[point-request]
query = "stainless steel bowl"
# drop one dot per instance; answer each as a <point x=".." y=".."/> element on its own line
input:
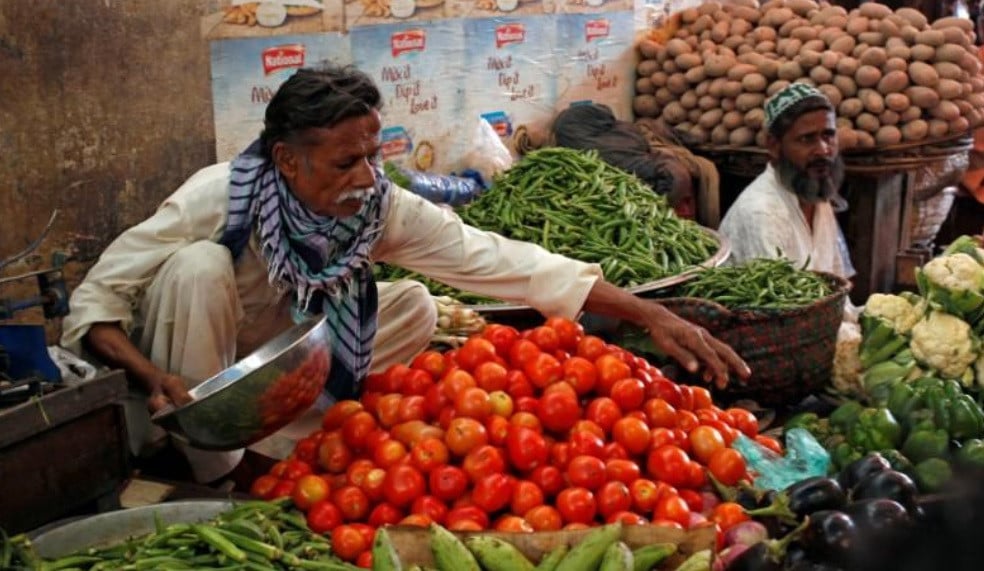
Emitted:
<point x="258" y="395"/>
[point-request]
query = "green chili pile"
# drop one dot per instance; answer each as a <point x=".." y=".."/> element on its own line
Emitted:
<point x="572" y="202"/>
<point x="253" y="535"/>
<point x="760" y="283"/>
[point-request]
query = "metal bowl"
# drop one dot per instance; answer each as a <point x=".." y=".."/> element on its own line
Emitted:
<point x="258" y="395"/>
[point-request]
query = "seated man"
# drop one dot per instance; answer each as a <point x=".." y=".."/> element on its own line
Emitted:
<point x="789" y="208"/>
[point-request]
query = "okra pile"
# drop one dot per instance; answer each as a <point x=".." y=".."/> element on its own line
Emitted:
<point x="253" y="535"/>
<point x="759" y="284"/>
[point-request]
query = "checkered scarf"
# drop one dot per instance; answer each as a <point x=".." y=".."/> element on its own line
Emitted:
<point x="323" y="260"/>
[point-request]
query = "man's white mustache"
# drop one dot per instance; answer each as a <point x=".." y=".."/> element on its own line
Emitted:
<point x="357" y="194"/>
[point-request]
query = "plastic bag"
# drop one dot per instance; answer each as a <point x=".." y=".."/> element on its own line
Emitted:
<point x="436" y="188"/>
<point x="804" y="458"/>
<point x="487" y="154"/>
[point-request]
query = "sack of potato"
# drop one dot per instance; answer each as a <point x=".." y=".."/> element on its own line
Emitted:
<point x="893" y="76"/>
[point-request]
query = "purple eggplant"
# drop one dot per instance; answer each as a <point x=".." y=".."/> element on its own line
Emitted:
<point x="853" y="473"/>
<point x="889" y="485"/>
<point x="830" y="537"/>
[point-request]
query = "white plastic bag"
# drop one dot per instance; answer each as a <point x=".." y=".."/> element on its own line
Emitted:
<point x="487" y="154"/>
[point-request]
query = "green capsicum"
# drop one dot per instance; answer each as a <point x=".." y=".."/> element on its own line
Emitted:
<point x="898" y="461"/>
<point x="876" y="429"/>
<point x="808" y="420"/>
<point x="925" y="442"/>
<point x="846" y="415"/>
<point x="902" y="400"/>
<point x="932" y="474"/>
<point x="843" y="454"/>
<point x="971" y="454"/>
<point x="966" y="418"/>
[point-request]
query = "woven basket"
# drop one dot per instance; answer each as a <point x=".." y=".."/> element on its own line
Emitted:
<point x="790" y="352"/>
<point x="929" y="216"/>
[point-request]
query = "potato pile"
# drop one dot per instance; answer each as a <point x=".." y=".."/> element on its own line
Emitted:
<point x="892" y="76"/>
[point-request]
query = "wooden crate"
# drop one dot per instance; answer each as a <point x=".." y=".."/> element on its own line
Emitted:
<point x="63" y="453"/>
<point x="413" y="543"/>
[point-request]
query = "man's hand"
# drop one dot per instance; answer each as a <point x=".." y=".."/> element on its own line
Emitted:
<point x="692" y="345"/>
<point x="170" y="390"/>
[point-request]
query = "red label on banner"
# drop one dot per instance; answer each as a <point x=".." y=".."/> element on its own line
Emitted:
<point x="408" y="41"/>
<point x="595" y="29"/>
<point x="509" y="34"/>
<point x="282" y="57"/>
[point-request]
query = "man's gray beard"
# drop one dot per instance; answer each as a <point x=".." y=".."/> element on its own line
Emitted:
<point x="814" y="190"/>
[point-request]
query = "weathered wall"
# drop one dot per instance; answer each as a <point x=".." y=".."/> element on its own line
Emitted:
<point x="105" y="108"/>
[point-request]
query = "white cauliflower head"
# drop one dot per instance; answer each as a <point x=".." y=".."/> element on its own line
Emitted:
<point x="944" y="343"/>
<point x="894" y="309"/>
<point x="957" y="272"/>
<point x="847" y="359"/>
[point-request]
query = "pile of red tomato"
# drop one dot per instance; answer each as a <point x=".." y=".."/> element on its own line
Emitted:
<point x="538" y="430"/>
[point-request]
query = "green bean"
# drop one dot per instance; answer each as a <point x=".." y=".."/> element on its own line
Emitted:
<point x="221" y="543"/>
<point x="759" y="284"/>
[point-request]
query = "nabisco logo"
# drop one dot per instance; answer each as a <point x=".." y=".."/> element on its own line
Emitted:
<point x="408" y="41"/>
<point x="509" y="34"/>
<point x="282" y="57"/>
<point x="595" y="29"/>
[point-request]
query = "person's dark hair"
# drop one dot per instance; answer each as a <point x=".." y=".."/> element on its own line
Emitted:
<point x="317" y="97"/>
<point x="783" y="122"/>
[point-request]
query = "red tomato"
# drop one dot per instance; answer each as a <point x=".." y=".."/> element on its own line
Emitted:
<point x="661" y="437"/>
<point x="544" y="518"/>
<point x="497" y="428"/>
<point x="659" y="413"/>
<point x="588" y="426"/>
<point x="727" y="466"/>
<point x="543" y="369"/>
<point x="403" y="484"/>
<point x="455" y="381"/>
<point x="526" y="496"/>
<point x="306" y="450"/>
<point x="561" y="387"/>
<point x="483" y="460"/>
<point x="352" y="502"/>
<point x="591" y="347"/>
<point x="633" y="434"/>
<point x="619" y="470"/>
<point x="374" y="439"/>
<point x="465" y="525"/>
<point x="673" y="508"/>
<point x="645" y="494"/>
<point x="549" y="479"/>
<point x="491" y="376"/>
<point x="467" y="513"/>
<point x="474" y="352"/>
<point x="385" y="514"/>
<point x="546" y="338"/>
<point x="586" y="472"/>
<point x="412" y="407"/>
<point x="464" y="435"/>
<point x="388" y="409"/>
<point x="394" y="376"/>
<point x="513" y="524"/>
<point x="669" y="464"/>
<point x="474" y="403"/>
<point x="435" y="401"/>
<point x="584" y="443"/>
<point x="492" y="492"/>
<point x="526" y="404"/>
<point x="604" y="412"/>
<point x="769" y="442"/>
<point x="694" y="500"/>
<point x="728" y="514"/>
<point x="613" y="497"/>
<point x="389" y="453"/>
<point x="416" y="520"/>
<point x="431" y="362"/>
<point x="310" y="488"/>
<point x="323" y="517"/>
<point x="666" y="390"/>
<point x="727" y="433"/>
<point x="558" y="412"/>
<point x="336" y="415"/>
<point x="667" y="523"/>
<point x="686" y="420"/>
<point x="523" y="352"/>
<point x="348" y="543"/>
<point x="686" y="398"/>
<point x="702" y="397"/>
<point x="431" y="507"/>
<point x="696" y="477"/>
<point x="501" y="336"/>
<point x="705" y="441"/>
<point x="568" y="332"/>
<point x="628" y="394"/>
<point x="417" y="382"/>
<point x="526" y="448"/>
<point x="364" y="560"/>
<point x="373" y="484"/>
<point x="613" y="451"/>
<point x="627" y="518"/>
<point x="577" y="505"/>
<point x="518" y="384"/>
<point x="447" y="483"/>
<point x="429" y="453"/>
<point x="263" y="486"/>
<point x="580" y="373"/>
<point x="333" y="455"/>
<point x="374" y="383"/>
<point x="527" y="419"/>
<point x="611" y="369"/>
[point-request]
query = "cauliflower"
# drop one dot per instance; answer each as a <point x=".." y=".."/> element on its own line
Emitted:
<point x="945" y="343"/>
<point x="847" y="360"/>
<point x="957" y="272"/>
<point x="894" y="309"/>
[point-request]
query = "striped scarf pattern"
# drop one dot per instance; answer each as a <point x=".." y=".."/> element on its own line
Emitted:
<point x="323" y="260"/>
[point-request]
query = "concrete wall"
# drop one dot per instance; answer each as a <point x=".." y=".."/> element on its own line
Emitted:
<point x="105" y="108"/>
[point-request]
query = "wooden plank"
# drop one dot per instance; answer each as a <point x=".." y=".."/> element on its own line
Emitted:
<point x="61" y="406"/>
<point x="873" y="231"/>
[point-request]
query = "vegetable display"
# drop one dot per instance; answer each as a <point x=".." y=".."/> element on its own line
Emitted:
<point x="892" y="76"/>
<point x="253" y="535"/>
<point x="573" y="203"/>
<point x="760" y="283"/>
<point x="539" y="430"/>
